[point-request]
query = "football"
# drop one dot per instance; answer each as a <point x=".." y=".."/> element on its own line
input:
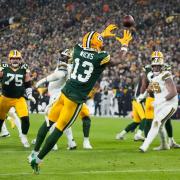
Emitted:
<point x="128" y="21"/>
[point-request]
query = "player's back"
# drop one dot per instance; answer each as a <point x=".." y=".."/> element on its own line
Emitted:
<point x="87" y="67"/>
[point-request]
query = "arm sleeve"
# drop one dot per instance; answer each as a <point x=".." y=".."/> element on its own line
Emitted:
<point x="56" y="76"/>
<point x="105" y="60"/>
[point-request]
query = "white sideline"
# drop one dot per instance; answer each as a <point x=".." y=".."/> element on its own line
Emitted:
<point x="98" y="172"/>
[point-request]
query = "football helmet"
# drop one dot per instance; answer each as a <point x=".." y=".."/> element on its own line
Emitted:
<point x="93" y="40"/>
<point x="157" y="62"/>
<point x="157" y="58"/>
<point x="15" y="58"/>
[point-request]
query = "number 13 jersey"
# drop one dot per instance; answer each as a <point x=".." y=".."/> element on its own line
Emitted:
<point x="88" y="65"/>
<point x="13" y="81"/>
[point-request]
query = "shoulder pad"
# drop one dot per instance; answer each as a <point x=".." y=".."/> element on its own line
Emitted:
<point x="3" y="66"/>
<point x="166" y="75"/>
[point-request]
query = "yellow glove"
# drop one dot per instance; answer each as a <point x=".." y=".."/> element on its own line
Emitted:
<point x="107" y="32"/>
<point x="126" y="38"/>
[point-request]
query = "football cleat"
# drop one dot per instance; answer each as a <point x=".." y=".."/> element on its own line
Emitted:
<point x="174" y="145"/>
<point x="24" y="141"/>
<point x="138" y="137"/>
<point x="142" y="149"/>
<point x="72" y="145"/>
<point x="162" y="147"/>
<point x="32" y="156"/>
<point x="119" y="136"/>
<point x="5" y="135"/>
<point x="35" y="166"/>
<point x="87" y="145"/>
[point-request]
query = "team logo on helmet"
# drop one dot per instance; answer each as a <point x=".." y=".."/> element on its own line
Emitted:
<point x="93" y="40"/>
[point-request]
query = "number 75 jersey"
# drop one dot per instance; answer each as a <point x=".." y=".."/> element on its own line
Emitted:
<point x="88" y="65"/>
<point x="13" y="81"/>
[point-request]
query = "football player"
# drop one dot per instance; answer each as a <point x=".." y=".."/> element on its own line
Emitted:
<point x="89" y="61"/>
<point x="149" y="109"/>
<point x="56" y="82"/>
<point x="165" y="103"/>
<point x="16" y="81"/>
<point x="138" y="114"/>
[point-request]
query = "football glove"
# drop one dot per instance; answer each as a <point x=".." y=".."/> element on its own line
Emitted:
<point x="127" y="37"/>
<point x="107" y="32"/>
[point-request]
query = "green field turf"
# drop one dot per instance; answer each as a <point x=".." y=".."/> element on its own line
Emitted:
<point x="109" y="159"/>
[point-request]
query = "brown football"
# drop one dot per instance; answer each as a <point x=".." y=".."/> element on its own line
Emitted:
<point x="128" y="21"/>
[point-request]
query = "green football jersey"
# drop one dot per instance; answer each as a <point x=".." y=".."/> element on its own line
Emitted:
<point x="13" y="81"/>
<point x="87" y="67"/>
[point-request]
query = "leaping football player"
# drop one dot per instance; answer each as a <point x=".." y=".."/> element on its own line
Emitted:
<point x="56" y="82"/>
<point x="89" y="61"/>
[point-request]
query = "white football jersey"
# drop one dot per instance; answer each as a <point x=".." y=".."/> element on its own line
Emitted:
<point x="61" y="75"/>
<point x="159" y="87"/>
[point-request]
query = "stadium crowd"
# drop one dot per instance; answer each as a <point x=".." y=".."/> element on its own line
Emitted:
<point x="48" y="27"/>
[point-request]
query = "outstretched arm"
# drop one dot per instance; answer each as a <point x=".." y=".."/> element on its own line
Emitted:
<point x="124" y="42"/>
<point x="57" y="75"/>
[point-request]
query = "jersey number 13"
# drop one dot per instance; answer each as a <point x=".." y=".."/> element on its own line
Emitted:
<point x="88" y="69"/>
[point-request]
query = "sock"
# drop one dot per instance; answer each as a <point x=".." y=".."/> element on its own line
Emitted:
<point x="42" y="132"/>
<point x="139" y="132"/>
<point x="1" y="123"/>
<point x="25" y="124"/>
<point x="169" y="128"/>
<point x="86" y="139"/>
<point x="147" y="126"/>
<point x="17" y="122"/>
<point x="171" y="141"/>
<point x="162" y="133"/>
<point x="142" y="124"/>
<point x="69" y="135"/>
<point x="123" y="132"/>
<point x="86" y="125"/>
<point x="131" y="127"/>
<point x="151" y="135"/>
<point x="50" y="142"/>
<point x="4" y="130"/>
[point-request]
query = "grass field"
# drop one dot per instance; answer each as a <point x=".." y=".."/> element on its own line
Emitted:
<point x="109" y="159"/>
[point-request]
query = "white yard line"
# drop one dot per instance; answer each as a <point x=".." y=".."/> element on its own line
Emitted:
<point x="99" y="172"/>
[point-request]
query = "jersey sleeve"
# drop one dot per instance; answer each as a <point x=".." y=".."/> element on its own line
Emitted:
<point x="166" y="75"/>
<point x="105" y="58"/>
<point x="3" y="66"/>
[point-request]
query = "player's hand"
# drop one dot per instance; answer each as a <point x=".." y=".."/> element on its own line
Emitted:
<point x="127" y="37"/>
<point x="107" y="32"/>
<point x="31" y="98"/>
